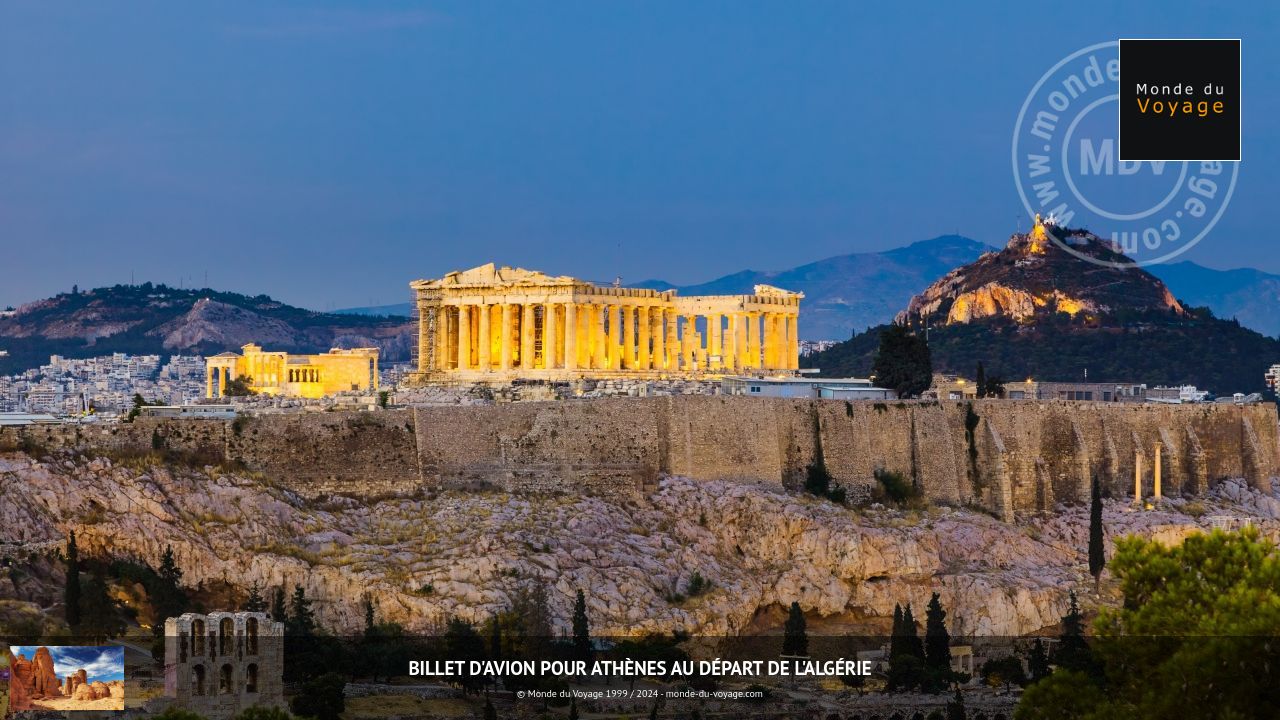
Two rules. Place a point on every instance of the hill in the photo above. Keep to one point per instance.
(1035, 310)
(156, 319)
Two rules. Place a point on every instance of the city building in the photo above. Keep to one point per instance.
(282, 373)
(952, 387)
(1177, 395)
(801, 387)
(492, 324)
(1273, 378)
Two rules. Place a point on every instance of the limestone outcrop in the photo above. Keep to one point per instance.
(425, 557)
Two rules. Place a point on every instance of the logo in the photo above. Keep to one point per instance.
(1067, 167)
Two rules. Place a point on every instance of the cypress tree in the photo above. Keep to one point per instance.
(278, 612)
(71, 595)
(937, 645)
(1097, 555)
(795, 640)
(981, 381)
(581, 629)
(911, 634)
(368, 615)
(302, 621)
(255, 602)
(573, 709)
(895, 639)
(1038, 662)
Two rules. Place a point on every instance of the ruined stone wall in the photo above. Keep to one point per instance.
(1008, 456)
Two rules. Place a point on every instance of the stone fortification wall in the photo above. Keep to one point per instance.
(1008, 456)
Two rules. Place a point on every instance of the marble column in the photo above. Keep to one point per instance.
(793, 341)
(614, 360)
(570, 336)
(505, 339)
(642, 341)
(464, 337)
(485, 344)
(527, 327)
(689, 343)
(769, 339)
(599, 341)
(208, 381)
(550, 341)
(715, 344)
(424, 320)
(730, 345)
(444, 338)
(658, 328)
(753, 340)
(673, 340)
(628, 337)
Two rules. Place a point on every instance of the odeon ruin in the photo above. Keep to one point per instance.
(222, 663)
(498, 324)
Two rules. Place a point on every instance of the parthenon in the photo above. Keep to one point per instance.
(497, 324)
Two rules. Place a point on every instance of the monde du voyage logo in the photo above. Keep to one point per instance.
(1134, 140)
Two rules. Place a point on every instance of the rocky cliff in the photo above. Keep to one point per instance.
(455, 553)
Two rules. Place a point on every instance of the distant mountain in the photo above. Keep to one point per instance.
(849, 292)
(396, 310)
(155, 319)
(1248, 295)
(1034, 310)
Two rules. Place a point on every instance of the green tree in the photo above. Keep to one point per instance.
(1194, 637)
(906, 653)
(1097, 551)
(903, 363)
(239, 386)
(980, 381)
(937, 646)
(278, 611)
(255, 602)
(1003, 671)
(795, 639)
(98, 612)
(321, 698)
(1037, 662)
(581, 629)
(573, 709)
(955, 708)
(490, 713)
(71, 592)
(463, 643)
(1073, 652)
(301, 620)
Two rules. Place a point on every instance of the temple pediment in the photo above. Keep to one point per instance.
(771, 291)
(490, 275)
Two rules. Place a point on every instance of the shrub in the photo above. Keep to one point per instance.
(895, 487)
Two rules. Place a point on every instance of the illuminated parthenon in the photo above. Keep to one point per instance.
(502, 324)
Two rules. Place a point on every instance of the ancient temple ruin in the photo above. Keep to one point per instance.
(221, 663)
(498, 324)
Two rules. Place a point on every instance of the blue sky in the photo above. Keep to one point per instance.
(328, 153)
(101, 664)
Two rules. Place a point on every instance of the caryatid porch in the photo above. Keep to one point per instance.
(501, 324)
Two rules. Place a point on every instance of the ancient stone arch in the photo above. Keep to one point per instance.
(236, 662)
